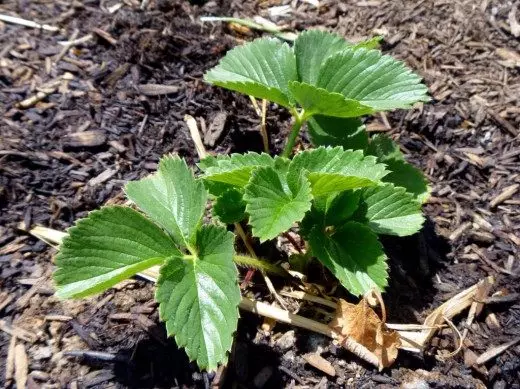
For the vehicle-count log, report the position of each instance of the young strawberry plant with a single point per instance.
(339, 200)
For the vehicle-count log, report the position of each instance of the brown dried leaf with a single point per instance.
(360, 323)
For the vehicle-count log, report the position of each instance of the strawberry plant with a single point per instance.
(339, 200)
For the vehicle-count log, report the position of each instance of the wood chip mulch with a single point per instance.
(94, 99)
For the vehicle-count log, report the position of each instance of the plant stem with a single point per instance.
(240, 231)
(285, 316)
(245, 260)
(299, 120)
(263, 127)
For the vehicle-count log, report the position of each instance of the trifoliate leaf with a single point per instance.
(315, 100)
(106, 247)
(230, 207)
(378, 81)
(390, 210)
(198, 298)
(312, 48)
(273, 204)
(354, 255)
(262, 68)
(401, 173)
(336, 170)
(349, 133)
(172, 197)
(235, 169)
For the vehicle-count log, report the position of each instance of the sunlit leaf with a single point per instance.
(172, 197)
(198, 298)
(262, 68)
(273, 204)
(390, 210)
(235, 169)
(336, 170)
(108, 246)
(377, 81)
(315, 100)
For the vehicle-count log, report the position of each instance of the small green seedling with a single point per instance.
(339, 200)
(328, 83)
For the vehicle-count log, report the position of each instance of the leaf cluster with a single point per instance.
(322, 74)
(338, 198)
(197, 289)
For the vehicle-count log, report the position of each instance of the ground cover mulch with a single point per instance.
(79, 121)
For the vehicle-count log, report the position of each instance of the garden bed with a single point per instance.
(101, 120)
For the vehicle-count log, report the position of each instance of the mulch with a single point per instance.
(79, 121)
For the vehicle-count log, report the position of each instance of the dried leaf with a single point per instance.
(360, 323)
(416, 340)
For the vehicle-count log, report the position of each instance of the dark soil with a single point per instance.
(95, 129)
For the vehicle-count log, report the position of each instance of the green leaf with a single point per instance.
(198, 298)
(330, 210)
(384, 148)
(390, 210)
(409, 177)
(235, 169)
(273, 204)
(315, 100)
(350, 133)
(338, 207)
(106, 247)
(172, 198)
(378, 81)
(230, 207)
(312, 48)
(402, 173)
(262, 68)
(354, 255)
(336, 170)
(216, 188)
(370, 43)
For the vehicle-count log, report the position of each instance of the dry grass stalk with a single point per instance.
(27, 23)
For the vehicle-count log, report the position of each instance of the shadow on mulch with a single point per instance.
(153, 364)
(414, 261)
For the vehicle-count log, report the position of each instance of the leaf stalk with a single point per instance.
(247, 261)
(299, 119)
